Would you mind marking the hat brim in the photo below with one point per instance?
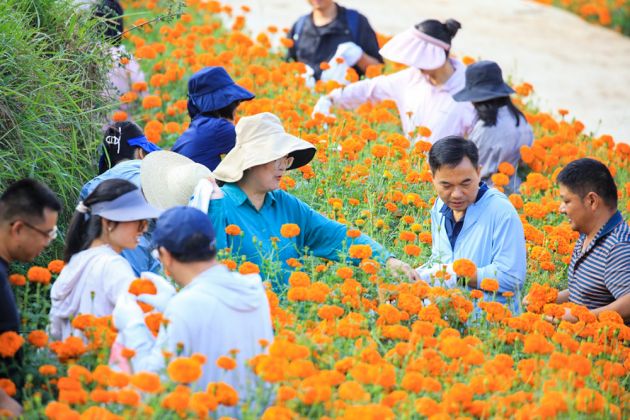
(221, 98)
(128, 207)
(168, 179)
(406, 48)
(477, 94)
(241, 158)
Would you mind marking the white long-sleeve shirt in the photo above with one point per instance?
(219, 311)
(419, 102)
(90, 283)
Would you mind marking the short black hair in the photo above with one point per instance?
(27, 198)
(195, 249)
(451, 151)
(589, 175)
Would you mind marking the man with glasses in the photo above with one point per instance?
(28, 223)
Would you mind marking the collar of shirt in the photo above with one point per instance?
(610, 225)
(240, 198)
(336, 26)
(453, 228)
(4, 268)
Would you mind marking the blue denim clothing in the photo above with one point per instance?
(261, 241)
(139, 258)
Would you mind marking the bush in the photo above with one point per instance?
(52, 69)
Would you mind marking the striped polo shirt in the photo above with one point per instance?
(601, 274)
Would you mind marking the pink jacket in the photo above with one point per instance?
(419, 102)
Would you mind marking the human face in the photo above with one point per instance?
(576, 209)
(457, 186)
(321, 4)
(31, 238)
(124, 235)
(267, 177)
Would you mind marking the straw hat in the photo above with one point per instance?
(168, 179)
(416, 49)
(261, 139)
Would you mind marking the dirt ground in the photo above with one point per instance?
(572, 64)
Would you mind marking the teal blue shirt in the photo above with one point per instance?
(319, 236)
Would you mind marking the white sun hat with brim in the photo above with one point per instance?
(126, 208)
(416, 49)
(169, 179)
(261, 139)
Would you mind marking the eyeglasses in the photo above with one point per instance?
(51, 234)
(284, 162)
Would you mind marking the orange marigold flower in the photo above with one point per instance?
(38, 338)
(324, 65)
(353, 233)
(55, 266)
(299, 279)
(139, 86)
(289, 230)
(147, 382)
(8, 386)
(184, 370)
(506, 168)
(500, 180)
(39, 275)
(248, 268)
(345, 272)
(286, 42)
(10, 343)
(233, 230)
(142, 287)
(489, 285)
(360, 251)
(17, 279)
(119, 116)
(226, 363)
(464, 268)
(225, 394)
(413, 250)
(151, 101)
(47, 370)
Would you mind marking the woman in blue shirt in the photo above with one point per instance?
(212, 101)
(252, 200)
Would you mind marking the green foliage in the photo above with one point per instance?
(53, 64)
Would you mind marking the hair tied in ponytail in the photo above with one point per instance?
(113, 140)
(452, 26)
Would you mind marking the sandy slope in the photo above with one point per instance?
(572, 64)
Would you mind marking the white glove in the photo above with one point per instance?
(127, 312)
(350, 52)
(308, 76)
(322, 106)
(428, 274)
(165, 291)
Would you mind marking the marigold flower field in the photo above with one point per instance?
(613, 14)
(352, 341)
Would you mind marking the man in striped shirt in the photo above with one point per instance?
(599, 272)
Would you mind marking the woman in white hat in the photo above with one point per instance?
(252, 200)
(112, 218)
(423, 92)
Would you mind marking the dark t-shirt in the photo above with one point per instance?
(9, 316)
(316, 44)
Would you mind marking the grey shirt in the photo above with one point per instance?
(501, 143)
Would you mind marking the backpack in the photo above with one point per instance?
(352, 20)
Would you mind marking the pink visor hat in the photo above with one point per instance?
(416, 49)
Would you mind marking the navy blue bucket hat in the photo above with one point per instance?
(212, 88)
(484, 81)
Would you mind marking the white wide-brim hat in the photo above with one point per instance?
(169, 179)
(416, 49)
(261, 139)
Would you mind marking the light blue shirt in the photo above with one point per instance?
(492, 237)
(319, 236)
(140, 257)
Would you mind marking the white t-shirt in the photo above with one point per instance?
(90, 283)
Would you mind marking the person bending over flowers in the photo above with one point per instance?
(599, 271)
(251, 199)
(474, 222)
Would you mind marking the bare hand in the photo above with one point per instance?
(397, 266)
